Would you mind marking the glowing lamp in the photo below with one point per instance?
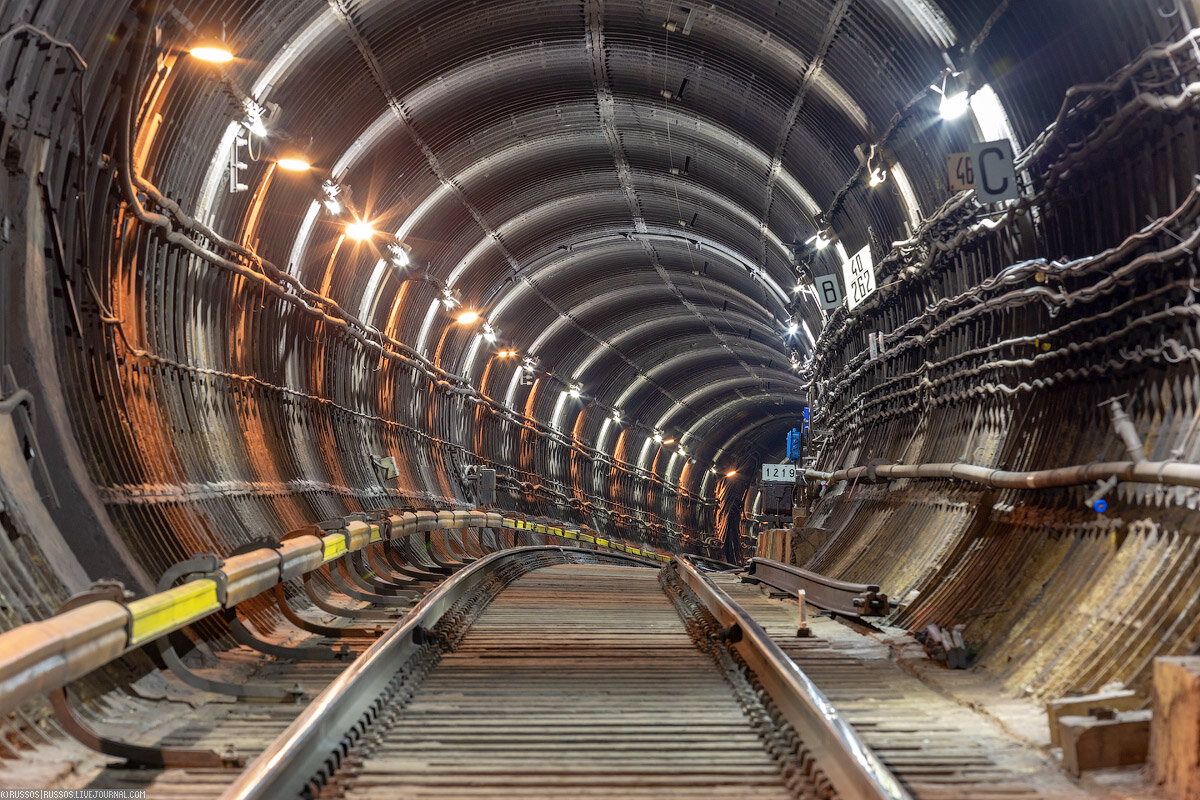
(212, 52)
(293, 164)
(360, 231)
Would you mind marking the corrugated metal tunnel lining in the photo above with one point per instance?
(626, 193)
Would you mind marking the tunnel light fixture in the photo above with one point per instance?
(448, 298)
(821, 239)
(399, 254)
(331, 202)
(616, 416)
(668, 442)
(658, 437)
(489, 333)
(681, 451)
(360, 230)
(793, 328)
(254, 123)
(293, 163)
(468, 317)
(506, 353)
(876, 166)
(731, 474)
(212, 51)
(955, 95)
(575, 390)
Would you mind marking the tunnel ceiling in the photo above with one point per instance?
(621, 189)
(610, 184)
(627, 193)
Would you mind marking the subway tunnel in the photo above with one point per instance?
(559, 278)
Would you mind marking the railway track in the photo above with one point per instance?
(552, 673)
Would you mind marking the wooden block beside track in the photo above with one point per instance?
(1175, 731)
(1082, 706)
(1091, 743)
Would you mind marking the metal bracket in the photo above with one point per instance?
(206, 565)
(134, 755)
(242, 635)
(18, 402)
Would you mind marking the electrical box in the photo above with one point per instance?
(793, 445)
(487, 487)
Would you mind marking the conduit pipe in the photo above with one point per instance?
(1125, 428)
(1166, 473)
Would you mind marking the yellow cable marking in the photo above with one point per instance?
(583, 537)
(508, 523)
(602, 542)
(170, 610)
(335, 547)
(541, 528)
(570, 534)
(376, 534)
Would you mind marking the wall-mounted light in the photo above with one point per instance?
(616, 416)
(293, 163)
(212, 51)
(489, 333)
(468, 317)
(254, 123)
(878, 176)
(399, 254)
(331, 202)
(955, 95)
(821, 239)
(658, 437)
(732, 473)
(575, 390)
(360, 230)
(668, 442)
(793, 328)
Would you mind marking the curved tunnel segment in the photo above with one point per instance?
(277, 269)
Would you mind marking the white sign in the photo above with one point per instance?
(995, 172)
(779, 473)
(828, 291)
(961, 173)
(859, 274)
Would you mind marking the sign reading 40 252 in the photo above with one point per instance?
(859, 275)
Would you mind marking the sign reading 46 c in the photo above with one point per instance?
(859, 275)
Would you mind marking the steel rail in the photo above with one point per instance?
(287, 766)
(850, 599)
(854, 770)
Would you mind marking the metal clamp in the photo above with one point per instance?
(205, 565)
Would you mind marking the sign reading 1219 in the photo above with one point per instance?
(779, 473)
(859, 275)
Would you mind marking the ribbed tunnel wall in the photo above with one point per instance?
(212, 368)
(998, 356)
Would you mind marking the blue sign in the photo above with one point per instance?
(804, 426)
